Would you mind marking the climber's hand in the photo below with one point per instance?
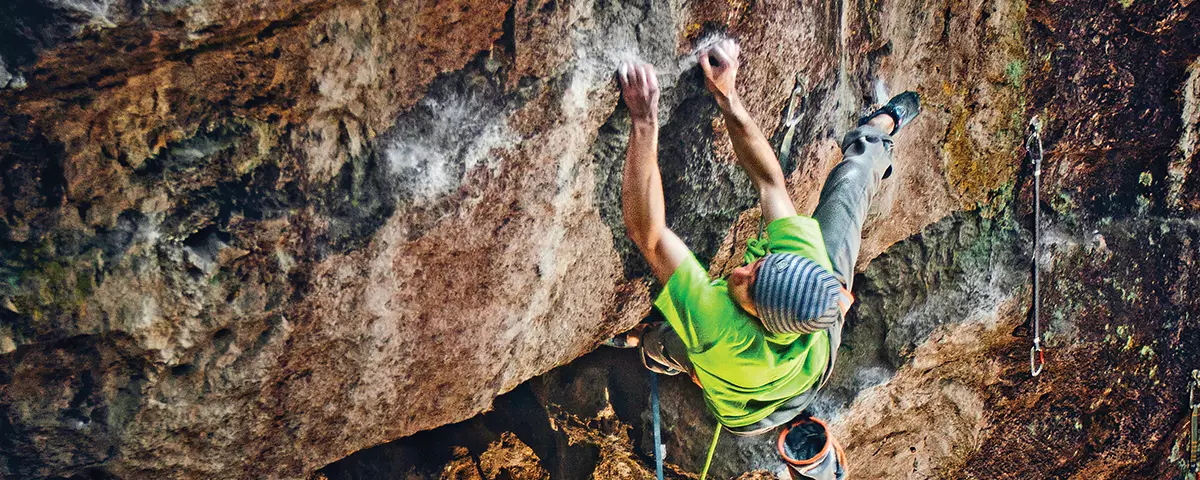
(720, 65)
(639, 86)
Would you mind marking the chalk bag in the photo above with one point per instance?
(810, 452)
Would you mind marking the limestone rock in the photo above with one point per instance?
(247, 239)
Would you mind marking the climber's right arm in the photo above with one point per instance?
(754, 152)
(642, 201)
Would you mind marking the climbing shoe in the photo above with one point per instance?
(903, 108)
(630, 339)
(620, 341)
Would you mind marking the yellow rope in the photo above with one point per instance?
(711, 450)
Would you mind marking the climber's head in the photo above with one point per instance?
(790, 293)
(741, 283)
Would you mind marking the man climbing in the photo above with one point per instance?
(761, 343)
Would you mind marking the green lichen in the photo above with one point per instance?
(979, 172)
(1146, 178)
(42, 285)
(1143, 205)
(1015, 73)
(1063, 202)
(980, 168)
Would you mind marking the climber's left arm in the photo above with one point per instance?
(754, 153)
(642, 203)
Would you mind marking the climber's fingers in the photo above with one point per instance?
(722, 55)
(706, 63)
(639, 84)
(642, 77)
(631, 76)
(731, 48)
(651, 79)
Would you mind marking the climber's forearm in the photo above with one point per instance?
(755, 155)
(641, 190)
(643, 206)
(753, 150)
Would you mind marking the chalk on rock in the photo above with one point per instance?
(5, 77)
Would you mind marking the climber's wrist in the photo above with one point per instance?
(645, 123)
(733, 110)
(729, 103)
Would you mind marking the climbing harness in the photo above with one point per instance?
(659, 449)
(1194, 403)
(1033, 147)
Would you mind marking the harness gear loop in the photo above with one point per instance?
(1033, 147)
(659, 449)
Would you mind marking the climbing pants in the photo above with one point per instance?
(841, 212)
(846, 196)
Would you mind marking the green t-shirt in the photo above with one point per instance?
(746, 372)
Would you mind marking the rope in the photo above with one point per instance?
(711, 450)
(659, 449)
(1037, 359)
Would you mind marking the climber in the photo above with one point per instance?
(763, 341)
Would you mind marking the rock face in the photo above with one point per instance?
(247, 239)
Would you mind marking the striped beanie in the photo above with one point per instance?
(794, 294)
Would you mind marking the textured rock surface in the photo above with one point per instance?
(246, 239)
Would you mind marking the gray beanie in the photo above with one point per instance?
(794, 294)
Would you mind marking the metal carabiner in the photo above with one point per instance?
(1192, 390)
(1037, 359)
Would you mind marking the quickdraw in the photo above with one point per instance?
(792, 118)
(1194, 403)
(1033, 146)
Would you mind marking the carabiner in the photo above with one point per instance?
(1192, 390)
(1037, 359)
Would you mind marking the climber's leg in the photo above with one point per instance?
(846, 196)
(866, 161)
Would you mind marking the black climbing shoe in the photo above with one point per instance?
(620, 341)
(630, 339)
(903, 108)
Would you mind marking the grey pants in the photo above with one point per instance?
(845, 200)
(846, 196)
